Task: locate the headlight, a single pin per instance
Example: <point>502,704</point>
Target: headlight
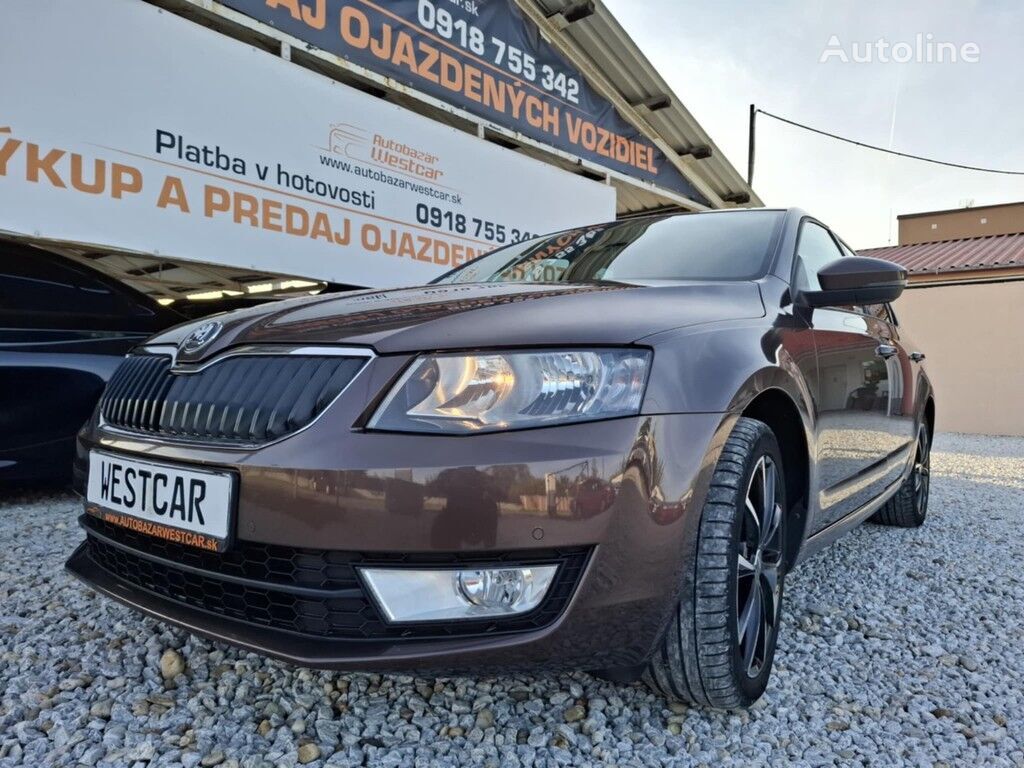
<point>463,393</point>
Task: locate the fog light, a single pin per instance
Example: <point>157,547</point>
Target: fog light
<point>492,589</point>
<point>436,594</point>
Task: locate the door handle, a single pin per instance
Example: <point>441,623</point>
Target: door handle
<point>917,357</point>
<point>885,350</point>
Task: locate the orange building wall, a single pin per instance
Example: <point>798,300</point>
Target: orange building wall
<point>966,222</point>
<point>973,335</point>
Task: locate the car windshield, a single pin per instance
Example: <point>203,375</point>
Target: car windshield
<point>733,245</point>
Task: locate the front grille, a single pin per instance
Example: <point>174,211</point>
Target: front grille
<point>248,399</point>
<point>307,591</point>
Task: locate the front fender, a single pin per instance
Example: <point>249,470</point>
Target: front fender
<point>767,370</point>
<point>723,368</point>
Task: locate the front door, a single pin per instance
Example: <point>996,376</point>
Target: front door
<point>857,435</point>
<point>857,427</point>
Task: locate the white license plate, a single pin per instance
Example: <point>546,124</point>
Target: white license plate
<point>184,505</point>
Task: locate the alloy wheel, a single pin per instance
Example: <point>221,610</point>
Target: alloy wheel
<point>758,564</point>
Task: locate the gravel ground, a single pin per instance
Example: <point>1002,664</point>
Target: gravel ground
<point>901,647</point>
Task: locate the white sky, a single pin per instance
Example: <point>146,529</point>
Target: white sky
<point>719,57</point>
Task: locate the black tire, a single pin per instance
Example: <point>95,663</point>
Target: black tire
<point>701,657</point>
<point>908,508</point>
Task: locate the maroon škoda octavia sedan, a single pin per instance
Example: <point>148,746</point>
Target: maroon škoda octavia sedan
<point>603,449</point>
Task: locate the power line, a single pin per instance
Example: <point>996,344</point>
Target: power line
<point>887,151</point>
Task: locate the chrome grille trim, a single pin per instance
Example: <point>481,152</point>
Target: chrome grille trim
<point>268,350</point>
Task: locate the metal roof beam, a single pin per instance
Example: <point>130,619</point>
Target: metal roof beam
<point>654,103</point>
<point>573,12</point>
<point>700,152</point>
<point>740,198</point>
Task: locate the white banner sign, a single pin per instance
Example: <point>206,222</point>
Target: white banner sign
<point>127,127</point>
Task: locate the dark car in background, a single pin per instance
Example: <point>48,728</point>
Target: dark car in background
<point>602,449</point>
<point>64,329</point>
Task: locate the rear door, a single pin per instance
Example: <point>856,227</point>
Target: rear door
<point>856,430</point>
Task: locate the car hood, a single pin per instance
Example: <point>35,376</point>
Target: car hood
<point>472,315</point>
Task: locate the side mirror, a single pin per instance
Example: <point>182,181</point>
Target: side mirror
<point>856,280</point>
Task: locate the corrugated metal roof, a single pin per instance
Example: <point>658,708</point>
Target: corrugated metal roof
<point>975,253</point>
<point>618,67</point>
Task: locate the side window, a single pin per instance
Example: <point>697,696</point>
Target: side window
<point>814,250</point>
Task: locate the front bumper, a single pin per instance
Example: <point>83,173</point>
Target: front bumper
<point>621,496</point>
<point>384,654</point>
